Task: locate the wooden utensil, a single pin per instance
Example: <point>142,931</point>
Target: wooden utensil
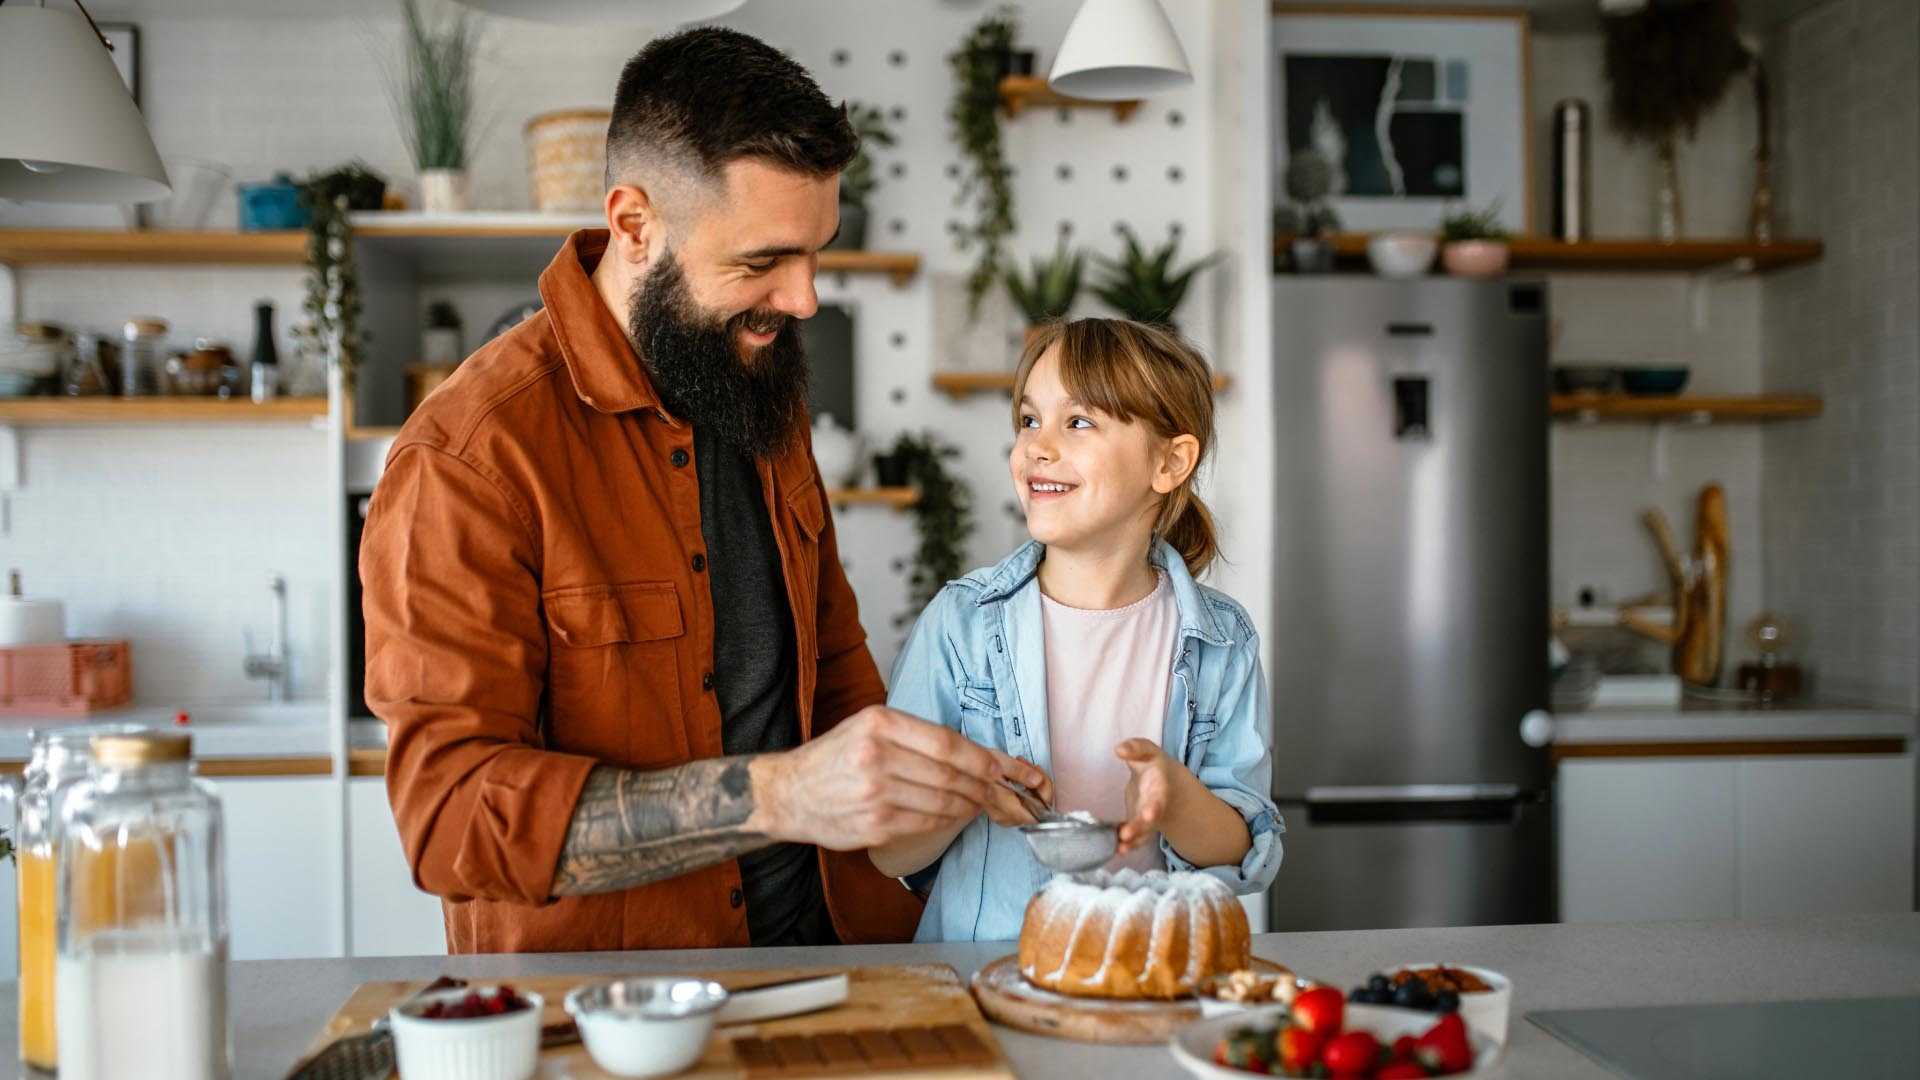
<point>1697,632</point>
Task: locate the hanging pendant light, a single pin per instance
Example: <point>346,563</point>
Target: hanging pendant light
<point>69,131</point>
<point>1117,50</point>
<point>661,13</point>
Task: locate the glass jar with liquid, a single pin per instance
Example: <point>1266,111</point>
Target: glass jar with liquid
<point>141,975</point>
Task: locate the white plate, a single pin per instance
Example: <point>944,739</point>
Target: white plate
<point>1193,1045</point>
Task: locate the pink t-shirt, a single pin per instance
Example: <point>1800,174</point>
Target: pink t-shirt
<point>1108,673</point>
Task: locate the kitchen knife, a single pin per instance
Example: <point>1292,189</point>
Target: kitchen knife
<point>790,997</point>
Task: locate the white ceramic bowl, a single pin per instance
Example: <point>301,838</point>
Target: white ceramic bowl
<point>1211,1006</point>
<point>645,1027</point>
<point>1485,1012</point>
<point>1402,254</point>
<point>1193,1045</point>
<point>505,1047</point>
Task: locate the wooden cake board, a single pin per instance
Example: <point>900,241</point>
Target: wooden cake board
<point>1008,998</point>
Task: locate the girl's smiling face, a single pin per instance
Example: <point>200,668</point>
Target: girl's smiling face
<point>1083,475</point>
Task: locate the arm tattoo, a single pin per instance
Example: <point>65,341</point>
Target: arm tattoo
<point>635,828</point>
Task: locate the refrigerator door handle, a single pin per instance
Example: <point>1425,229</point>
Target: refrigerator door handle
<point>1414,803</point>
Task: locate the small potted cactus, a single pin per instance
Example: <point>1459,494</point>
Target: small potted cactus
<point>1473,244</point>
<point>1304,224</point>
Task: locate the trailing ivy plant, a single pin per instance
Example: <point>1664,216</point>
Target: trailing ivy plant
<point>332,327</point>
<point>859,179</point>
<point>987,185</point>
<point>1050,290</point>
<point>1143,285</point>
<point>942,515</point>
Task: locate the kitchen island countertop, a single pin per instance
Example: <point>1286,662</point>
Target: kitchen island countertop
<point>279,1005</point>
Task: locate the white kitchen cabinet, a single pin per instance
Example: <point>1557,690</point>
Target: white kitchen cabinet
<point>391,917</point>
<point>1748,837</point>
<point>284,889</point>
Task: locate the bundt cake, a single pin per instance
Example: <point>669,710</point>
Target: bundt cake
<point>1125,934</point>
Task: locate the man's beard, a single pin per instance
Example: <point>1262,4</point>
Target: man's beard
<point>757,403</point>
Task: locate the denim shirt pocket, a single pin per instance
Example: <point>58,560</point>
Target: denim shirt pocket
<point>980,712</point>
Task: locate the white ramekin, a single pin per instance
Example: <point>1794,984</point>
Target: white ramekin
<point>1485,1012</point>
<point>647,1026</point>
<point>504,1047</point>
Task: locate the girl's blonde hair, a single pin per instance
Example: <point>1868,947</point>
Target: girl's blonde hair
<point>1135,372</point>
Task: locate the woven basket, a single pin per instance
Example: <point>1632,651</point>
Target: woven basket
<point>567,159</point>
<point>70,679</point>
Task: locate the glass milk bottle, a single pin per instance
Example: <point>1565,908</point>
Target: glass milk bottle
<point>61,757</point>
<point>141,981</point>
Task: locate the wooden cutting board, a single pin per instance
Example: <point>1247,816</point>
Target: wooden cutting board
<point>918,996</point>
<point>1010,999</point>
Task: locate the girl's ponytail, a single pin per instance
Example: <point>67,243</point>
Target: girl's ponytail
<point>1187,524</point>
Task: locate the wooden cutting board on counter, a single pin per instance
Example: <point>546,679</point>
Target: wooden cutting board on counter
<point>895,1013</point>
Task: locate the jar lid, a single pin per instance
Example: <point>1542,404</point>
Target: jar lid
<point>131,749</point>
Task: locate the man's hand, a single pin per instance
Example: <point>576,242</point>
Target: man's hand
<point>1154,781</point>
<point>880,775</point>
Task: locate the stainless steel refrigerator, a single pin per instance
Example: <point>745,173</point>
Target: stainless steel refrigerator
<point>1410,607</point>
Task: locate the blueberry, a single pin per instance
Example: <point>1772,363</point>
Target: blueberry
<point>1447,1001</point>
<point>1411,995</point>
<point>1378,982</point>
<point>1360,995</point>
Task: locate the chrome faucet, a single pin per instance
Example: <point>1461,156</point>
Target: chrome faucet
<point>274,664</point>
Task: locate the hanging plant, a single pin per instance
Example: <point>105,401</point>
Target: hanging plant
<point>987,186</point>
<point>331,331</point>
<point>1667,64</point>
<point>942,515</point>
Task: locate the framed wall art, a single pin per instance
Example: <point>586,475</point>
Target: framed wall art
<point>1417,111</point>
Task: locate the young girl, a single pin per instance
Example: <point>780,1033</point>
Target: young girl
<point>1091,651</point>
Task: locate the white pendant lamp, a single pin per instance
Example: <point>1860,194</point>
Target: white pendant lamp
<point>69,131</point>
<point>1117,50</point>
<point>604,12</point>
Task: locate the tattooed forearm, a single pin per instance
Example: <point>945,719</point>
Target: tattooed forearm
<point>634,828</point>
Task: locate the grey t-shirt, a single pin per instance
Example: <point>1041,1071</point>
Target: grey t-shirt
<point>754,678</point>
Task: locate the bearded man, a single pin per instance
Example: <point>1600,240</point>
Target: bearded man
<point>628,698</point>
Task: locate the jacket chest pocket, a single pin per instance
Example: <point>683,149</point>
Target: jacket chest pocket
<point>980,713</point>
<point>613,678</point>
<point>802,568</point>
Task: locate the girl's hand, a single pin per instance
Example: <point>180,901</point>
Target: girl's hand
<point>1151,790</point>
<point>1003,806</point>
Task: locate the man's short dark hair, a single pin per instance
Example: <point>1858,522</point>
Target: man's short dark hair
<point>700,99</point>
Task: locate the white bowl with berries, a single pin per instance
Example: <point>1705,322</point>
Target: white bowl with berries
<point>1483,997</point>
<point>1321,1034</point>
<point>477,1033</point>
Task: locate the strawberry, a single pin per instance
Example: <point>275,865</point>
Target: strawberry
<point>1403,1048</point>
<point>1354,1053</point>
<point>1402,1070</point>
<point>1444,1048</point>
<point>1320,1010</point>
<point>1299,1049</point>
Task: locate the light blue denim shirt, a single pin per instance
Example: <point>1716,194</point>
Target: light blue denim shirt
<point>976,663</point>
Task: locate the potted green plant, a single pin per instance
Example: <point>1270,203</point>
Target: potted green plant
<point>1666,65</point>
<point>942,514</point>
<point>1473,244</point>
<point>987,184</point>
<point>330,333</point>
<point>1049,291</point>
<point>435,100</point>
<point>1303,225</point>
<point>859,179</point>
<point>1144,285</point>
<point>363,188</point>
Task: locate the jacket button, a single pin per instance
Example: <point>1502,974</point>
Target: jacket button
<point>699,563</point>
<point>706,681</point>
<point>736,898</point>
<point>679,458</point>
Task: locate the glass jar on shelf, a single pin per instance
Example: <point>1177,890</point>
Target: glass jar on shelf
<point>141,973</point>
<point>143,361</point>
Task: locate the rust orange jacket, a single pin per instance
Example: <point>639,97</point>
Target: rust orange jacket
<point>533,608</point>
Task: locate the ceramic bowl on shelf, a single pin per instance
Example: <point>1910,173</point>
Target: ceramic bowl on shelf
<point>1402,254</point>
<point>1653,381</point>
<point>1475,258</point>
<point>1585,379</point>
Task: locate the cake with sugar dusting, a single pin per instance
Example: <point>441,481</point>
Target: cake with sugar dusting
<point>1125,934</point>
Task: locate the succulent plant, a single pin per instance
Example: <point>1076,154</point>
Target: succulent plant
<point>1143,285</point>
<point>1473,225</point>
<point>1053,286</point>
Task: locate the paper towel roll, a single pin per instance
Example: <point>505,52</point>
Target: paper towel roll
<point>31,622</point>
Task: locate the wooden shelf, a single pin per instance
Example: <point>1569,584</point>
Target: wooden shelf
<point>1019,93</point>
<point>1630,256</point>
<point>158,410</point>
<point>898,498</point>
<point>960,384</point>
<point>404,233</point>
<point>1592,408</point>
<point>25,246</point>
